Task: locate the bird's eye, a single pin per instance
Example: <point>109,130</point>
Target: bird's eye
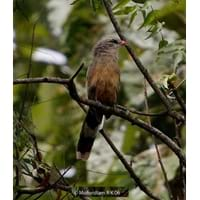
<point>114,41</point>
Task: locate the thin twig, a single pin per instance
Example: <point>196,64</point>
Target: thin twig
<point>16,167</point>
<point>162,113</point>
<point>72,89</point>
<point>177,139</point>
<point>77,72</point>
<point>106,174</point>
<point>143,70</point>
<point>62,175</point>
<point>35,145</point>
<point>178,97</point>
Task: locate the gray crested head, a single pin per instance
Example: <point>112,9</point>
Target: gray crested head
<point>108,46</point>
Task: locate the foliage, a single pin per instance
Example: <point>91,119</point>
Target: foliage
<point>155,30</point>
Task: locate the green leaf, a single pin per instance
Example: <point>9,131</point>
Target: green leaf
<point>153,30</point>
<point>121,4</point>
<point>133,15</point>
<point>145,8</point>
<point>168,9</point>
<point>119,12</point>
<point>126,10</point>
<point>149,19</point>
<point>139,1</point>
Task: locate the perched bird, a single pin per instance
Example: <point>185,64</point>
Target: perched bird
<point>103,78</point>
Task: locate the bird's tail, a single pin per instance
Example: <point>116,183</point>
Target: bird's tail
<point>88,133</point>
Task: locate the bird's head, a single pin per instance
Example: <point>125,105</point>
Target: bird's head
<point>108,46</point>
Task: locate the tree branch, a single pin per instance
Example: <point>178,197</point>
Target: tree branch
<point>162,113</point>
<point>125,114</point>
<point>143,70</point>
<point>41,80</point>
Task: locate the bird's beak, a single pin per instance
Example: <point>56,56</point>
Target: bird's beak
<point>123,42</point>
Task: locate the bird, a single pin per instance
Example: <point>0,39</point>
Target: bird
<point>103,80</point>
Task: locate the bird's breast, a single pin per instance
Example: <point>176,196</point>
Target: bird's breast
<point>103,83</point>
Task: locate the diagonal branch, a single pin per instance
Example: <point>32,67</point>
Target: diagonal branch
<point>127,116</point>
<point>128,167</point>
<point>162,113</point>
<point>143,70</point>
<point>77,72</point>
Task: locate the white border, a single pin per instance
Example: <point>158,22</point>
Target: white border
<point>193,100</point>
<point>6,48</point>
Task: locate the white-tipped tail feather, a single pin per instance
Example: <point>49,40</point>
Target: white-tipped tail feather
<point>82,156</point>
<point>102,123</point>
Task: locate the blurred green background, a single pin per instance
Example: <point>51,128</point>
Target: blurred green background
<point>61,34</point>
